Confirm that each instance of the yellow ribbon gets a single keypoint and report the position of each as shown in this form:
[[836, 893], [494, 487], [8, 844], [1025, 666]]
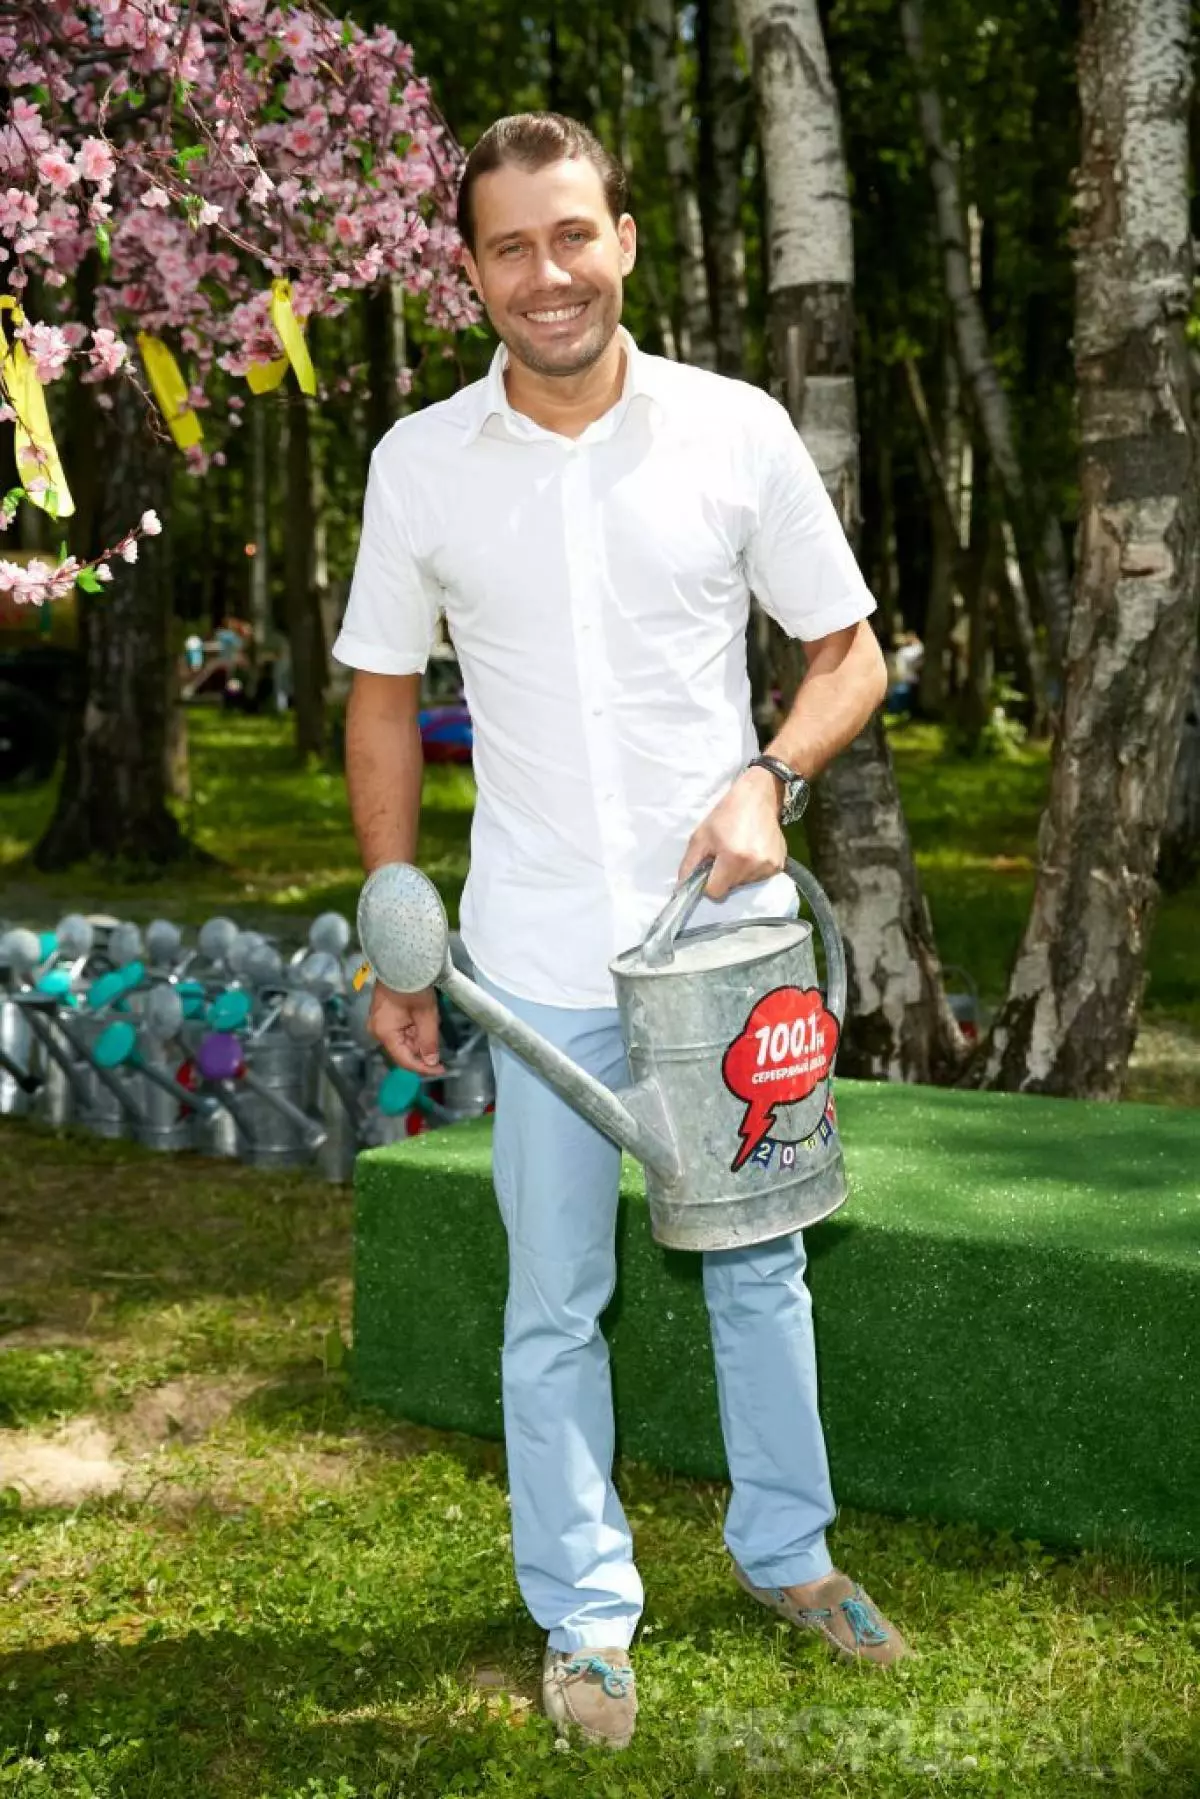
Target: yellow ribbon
[[170, 390], [263, 376], [37, 456]]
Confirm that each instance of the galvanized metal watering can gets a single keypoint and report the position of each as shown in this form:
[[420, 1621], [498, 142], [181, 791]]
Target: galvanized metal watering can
[[731, 1048]]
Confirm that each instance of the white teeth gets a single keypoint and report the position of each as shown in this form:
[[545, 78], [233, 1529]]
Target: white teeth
[[549, 318]]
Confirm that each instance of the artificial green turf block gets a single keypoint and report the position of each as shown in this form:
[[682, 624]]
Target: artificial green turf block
[[1007, 1312]]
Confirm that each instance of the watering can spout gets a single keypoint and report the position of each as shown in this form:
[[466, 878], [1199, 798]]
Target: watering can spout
[[405, 937]]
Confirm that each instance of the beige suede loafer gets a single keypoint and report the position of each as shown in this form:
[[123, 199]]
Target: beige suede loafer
[[591, 1694], [839, 1611]]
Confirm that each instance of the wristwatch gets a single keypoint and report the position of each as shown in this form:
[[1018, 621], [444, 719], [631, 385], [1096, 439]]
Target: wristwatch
[[795, 788]]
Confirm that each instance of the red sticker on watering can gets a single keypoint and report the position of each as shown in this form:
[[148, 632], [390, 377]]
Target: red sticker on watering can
[[783, 1052]]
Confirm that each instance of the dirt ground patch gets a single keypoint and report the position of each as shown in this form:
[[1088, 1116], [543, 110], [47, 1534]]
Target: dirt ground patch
[[73, 1463], [89, 1457]]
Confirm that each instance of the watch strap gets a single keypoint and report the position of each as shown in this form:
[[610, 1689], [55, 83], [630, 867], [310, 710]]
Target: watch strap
[[795, 787], [786, 775]]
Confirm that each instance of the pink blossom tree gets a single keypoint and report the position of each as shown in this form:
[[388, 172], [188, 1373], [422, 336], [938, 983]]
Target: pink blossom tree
[[184, 185]]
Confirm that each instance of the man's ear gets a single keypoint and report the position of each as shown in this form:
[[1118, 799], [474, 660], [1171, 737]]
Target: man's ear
[[627, 233], [472, 269]]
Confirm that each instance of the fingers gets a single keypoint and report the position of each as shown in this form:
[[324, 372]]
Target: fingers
[[733, 868], [697, 851], [425, 1030], [406, 1026], [405, 1055]]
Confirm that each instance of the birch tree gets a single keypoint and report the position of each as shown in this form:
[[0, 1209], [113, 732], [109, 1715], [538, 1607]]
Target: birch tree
[[695, 320], [724, 97], [901, 1026], [1038, 534], [1070, 1017]]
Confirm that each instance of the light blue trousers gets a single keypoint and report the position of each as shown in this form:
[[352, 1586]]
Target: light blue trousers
[[556, 1180]]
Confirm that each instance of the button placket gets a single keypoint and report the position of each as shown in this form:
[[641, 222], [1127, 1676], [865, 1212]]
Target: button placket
[[594, 674]]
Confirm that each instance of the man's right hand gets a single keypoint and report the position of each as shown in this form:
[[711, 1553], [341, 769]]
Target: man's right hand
[[406, 1026]]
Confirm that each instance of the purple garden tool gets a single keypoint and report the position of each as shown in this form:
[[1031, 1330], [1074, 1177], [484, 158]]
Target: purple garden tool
[[221, 1059]]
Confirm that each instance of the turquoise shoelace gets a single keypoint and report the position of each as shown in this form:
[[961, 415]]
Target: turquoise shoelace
[[860, 1614], [615, 1680]]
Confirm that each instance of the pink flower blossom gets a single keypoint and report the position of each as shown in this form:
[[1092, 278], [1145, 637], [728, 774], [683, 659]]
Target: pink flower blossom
[[94, 160], [129, 550], [151, 523], [27, 122], [302, 140], [278, 190], [56, 171], [297, 40], [48, 348], [107, 353], [18, 211]]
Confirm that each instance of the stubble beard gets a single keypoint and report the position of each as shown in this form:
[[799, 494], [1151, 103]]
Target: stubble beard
[[572, 359]]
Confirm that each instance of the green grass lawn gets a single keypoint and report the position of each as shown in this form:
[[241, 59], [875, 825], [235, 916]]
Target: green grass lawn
[[285, 851], [220, 1577], [236, 1584]]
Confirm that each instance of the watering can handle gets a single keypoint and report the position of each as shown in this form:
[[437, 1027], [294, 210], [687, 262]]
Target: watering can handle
[[658, 946]]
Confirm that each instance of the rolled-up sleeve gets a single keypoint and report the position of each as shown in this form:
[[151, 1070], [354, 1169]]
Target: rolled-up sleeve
[[391, 616], [798, 561]]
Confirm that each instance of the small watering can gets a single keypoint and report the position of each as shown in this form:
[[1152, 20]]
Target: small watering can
[[731, 1048]]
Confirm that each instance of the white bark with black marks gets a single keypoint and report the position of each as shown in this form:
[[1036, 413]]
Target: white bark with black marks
[[725, 96], [1070, 1018], [696, 343], [900, 1026]]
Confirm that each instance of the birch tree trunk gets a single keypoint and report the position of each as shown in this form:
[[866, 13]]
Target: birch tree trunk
[[1040, 539], [695, 319], [724, 97], [900, 1026], [1070, 1018]]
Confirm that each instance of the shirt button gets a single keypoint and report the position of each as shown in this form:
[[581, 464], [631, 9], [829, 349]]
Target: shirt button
[[597, 711]]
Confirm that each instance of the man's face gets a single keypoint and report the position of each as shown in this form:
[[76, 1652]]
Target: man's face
[[549, 263]]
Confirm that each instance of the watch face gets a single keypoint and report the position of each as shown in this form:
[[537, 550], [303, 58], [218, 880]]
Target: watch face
[[794, 801]]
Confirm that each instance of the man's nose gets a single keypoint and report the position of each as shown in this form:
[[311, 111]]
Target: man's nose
[[550, 274]]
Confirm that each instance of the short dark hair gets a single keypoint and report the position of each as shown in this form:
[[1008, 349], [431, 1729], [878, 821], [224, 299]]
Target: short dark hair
[[533, 140]]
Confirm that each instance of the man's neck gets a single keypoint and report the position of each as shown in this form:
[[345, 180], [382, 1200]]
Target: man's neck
[[567, 404]]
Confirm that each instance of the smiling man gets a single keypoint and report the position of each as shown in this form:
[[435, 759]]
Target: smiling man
[[592, 520]]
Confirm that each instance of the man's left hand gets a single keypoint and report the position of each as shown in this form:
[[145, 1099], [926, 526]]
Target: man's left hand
[[743, 832]]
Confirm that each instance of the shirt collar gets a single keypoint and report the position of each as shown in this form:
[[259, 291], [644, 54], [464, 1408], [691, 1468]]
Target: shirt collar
[[491, 397]]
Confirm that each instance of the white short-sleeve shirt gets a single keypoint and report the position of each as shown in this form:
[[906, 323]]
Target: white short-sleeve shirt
[[596, 591]]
